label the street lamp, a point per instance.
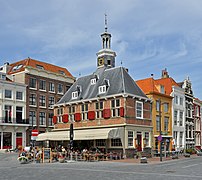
(160, 131)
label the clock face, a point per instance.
(100, 61)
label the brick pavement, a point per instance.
(154, 160)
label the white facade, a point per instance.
(13, 123)
(178, 118)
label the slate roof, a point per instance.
(118, 79)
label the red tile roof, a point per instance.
(147, 85)
(33, 63)
(150, 85)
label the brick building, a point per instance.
(46, 84)
(107, 109)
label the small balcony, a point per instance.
(13, 121)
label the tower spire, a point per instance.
(105, 22)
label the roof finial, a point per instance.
(105, 22)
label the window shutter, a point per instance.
(106, 113)
(65, 118)
(91, 115)
(54, 119)
(77, 117)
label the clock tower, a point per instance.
(106, 56)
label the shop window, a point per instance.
(116, 142)
(100, 142)
(7, 140)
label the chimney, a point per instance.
(164, 73)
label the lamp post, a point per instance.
(160, 131)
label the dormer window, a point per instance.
(62, 72)
(39, 67)
(75, 95)
(93, 81)
(15, 68)
(162, 89)
(102, 89)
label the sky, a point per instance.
(147, 36)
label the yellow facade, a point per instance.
(165, 116)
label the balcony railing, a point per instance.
(14, 120)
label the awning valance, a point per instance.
(83, 134)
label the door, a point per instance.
(139, 142)
(18, 139)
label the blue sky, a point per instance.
(148, 36)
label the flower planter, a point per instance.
(61, 160)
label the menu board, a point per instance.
(47, 155)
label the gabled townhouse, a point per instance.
(197, 123)
(107, 109)
(46, 84)
(13, 121)
(160, 92)
(189, 118)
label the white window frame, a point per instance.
(75, 95)
(102, 89)
(93, 81)
(139, 117)
(130, 138)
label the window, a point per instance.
(157, 105)
(19, 113)
(93, 81)
(99, 109)
(61, 72)
(71, 113)
(162, 89)
(42, 101)
(181, 118)
(50, 119)
(175, 117)
(8, 94)
(197, 111)
(181, 138)
(59, 114)
(166, 124)
(42, 118)
(39, 67)
(74, 95)
(32, 83)
(60, 88)
(32, 118)
(139, 110)
(116, 142)
(19, 95)
(84, 111)
(42, 85)
(166, 106)
(32, 99)
(102, 89)
(146, 140)
(100, 142)
(176, 99)
(51, 87)
(115, 104)
(157, 123)
(8, 114)
(130, 138)
(181, 101)
(51, 101)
